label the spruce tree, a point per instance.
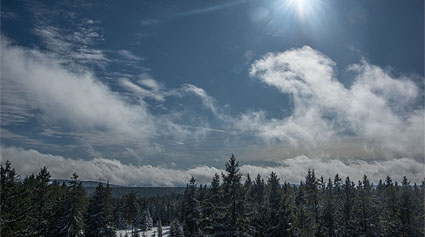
(56, 207)
(14, 202)
(191, 210)
(390, 219)
(259, 219)
(406, 209)
(41, 199)
(363, 209)
(131, 209)
(212, 208)
(258, 190)
(337, 198)
(176, 230)
(235, 218)
(159, 228)
(418, 211)
(301, 222)
(349, 193)
(278, 221)
(312, 201)
(327, 217)
(99, 218)
(71, 223)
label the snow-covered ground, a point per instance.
(149, 233)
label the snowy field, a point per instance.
(149, 233)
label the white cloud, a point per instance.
(73, 100)
(146, 80)
(129, 55)
(81, 106)
(208, 101)
(291, 170)
(143, 92)
(73, 47)
(378, 108)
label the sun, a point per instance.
(303, 8)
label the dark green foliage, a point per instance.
(131, 209)
(191, 212)
(176, 229)
(159, 229)
(71, 210)
(13, 200)
(235, 221)
(364, 212)
(311, 196)
(35, 206)
(212, 208)
(99, 217)
(279, 216)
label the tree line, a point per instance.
(37, 206)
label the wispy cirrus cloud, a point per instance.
(74, 45)
(75, 106)
(129, 55)
(79, 100)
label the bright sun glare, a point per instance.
(302, 7)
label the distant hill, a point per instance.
(119, 191)
(85, 183)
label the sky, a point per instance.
(154, 92)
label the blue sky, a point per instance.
(178, 86)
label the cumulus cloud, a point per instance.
(291, 170)
(378, 108)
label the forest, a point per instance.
(228, 206)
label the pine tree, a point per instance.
(176, 230)
(99, 218)
(191, 210)
(406, 209)
(418, 211)
(312, 201)
(41, 198)
(144, 220)
(258, 190)
(277, 209)
(349, 193)
(337, 198)
(159, 228)
(56, 208)
(363, 209)
(301, 225)
(257, 195)
(235, 219)
(390, 220)
(71, 223)
(14, 200)
(131, 209)
(119, 219)
(327, 219)
(378, 201)
(212, 208)
(29, 220)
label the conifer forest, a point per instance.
(231, 205)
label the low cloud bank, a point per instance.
(291, 170)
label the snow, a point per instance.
(149, 233)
